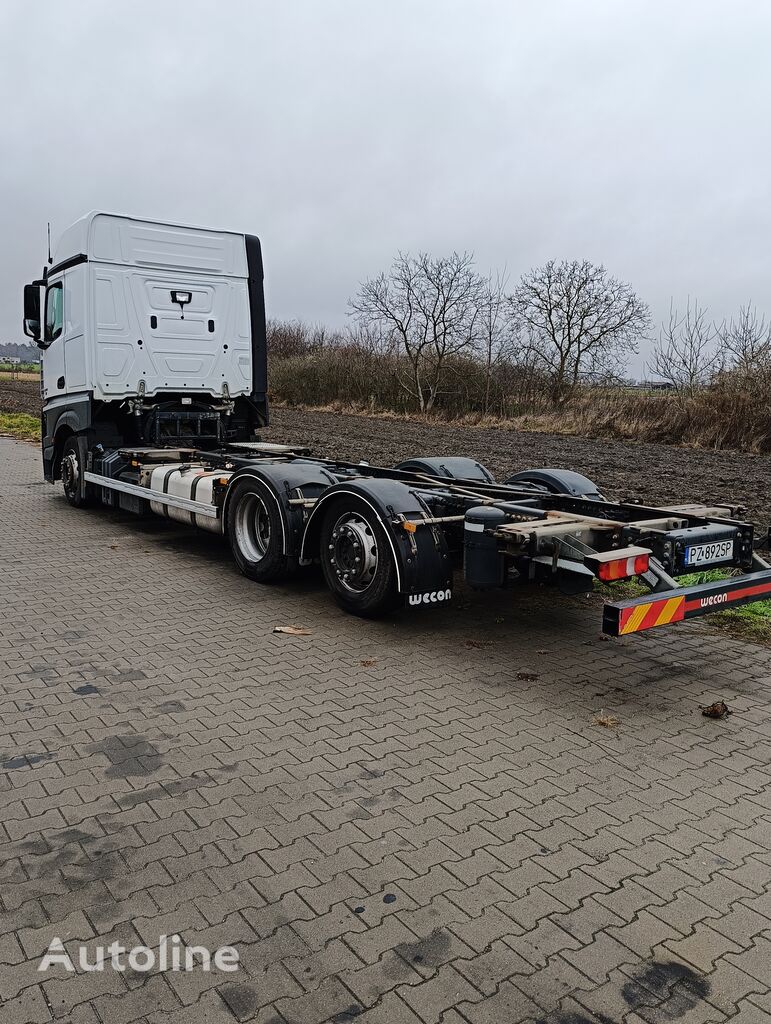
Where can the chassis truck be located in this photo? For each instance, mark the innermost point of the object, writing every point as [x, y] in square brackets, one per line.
[154, 388]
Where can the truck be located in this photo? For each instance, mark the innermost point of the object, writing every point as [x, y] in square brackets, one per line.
[155, 390]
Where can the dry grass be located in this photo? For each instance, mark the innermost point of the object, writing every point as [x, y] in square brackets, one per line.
[18, 375]
[625, 416]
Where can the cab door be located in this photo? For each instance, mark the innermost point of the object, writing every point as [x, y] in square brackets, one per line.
[53, 378]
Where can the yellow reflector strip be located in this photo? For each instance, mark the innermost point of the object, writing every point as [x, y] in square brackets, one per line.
[632, 624]
[669, 610]
[653, 613]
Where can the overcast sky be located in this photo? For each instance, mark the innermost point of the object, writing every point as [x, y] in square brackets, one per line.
[634, 133]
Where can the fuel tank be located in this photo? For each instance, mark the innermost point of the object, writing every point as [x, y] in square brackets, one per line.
[185, 480]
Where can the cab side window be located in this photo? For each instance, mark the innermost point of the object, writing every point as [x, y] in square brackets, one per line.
[54, 312]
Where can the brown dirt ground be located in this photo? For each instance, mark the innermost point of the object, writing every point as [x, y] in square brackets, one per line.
[20, 396]
[623, 470]
[643, 472]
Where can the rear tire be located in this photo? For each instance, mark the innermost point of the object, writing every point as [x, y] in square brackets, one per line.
[71, 469]
[255, 529]
[357, 560]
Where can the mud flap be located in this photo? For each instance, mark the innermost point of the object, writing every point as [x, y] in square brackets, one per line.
[423, 566]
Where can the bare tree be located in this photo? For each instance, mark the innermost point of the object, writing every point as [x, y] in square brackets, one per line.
[576, 317]
[497, 334]
[746, 340]
[431, 307]
[685, 354]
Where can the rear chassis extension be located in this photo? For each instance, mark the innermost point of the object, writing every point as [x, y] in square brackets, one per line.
[548, 526]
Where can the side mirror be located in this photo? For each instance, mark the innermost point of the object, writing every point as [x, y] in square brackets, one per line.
[32, 311]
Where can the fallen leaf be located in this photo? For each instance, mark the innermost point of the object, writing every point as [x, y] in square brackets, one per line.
[717, 710]
[541, 652]
[527, 677]
[292, 630]
[368, 662]
[607, 721]
[475, 644]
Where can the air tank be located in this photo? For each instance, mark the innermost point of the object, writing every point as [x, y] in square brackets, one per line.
[483, 566]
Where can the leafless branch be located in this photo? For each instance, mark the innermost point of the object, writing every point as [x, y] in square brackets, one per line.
[576, 318]
[431, 306]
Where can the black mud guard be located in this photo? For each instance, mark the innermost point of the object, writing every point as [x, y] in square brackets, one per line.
[422, 558]
[451, 468]
[559, 481]
[65, 424]
[73, 415]
[286, 480]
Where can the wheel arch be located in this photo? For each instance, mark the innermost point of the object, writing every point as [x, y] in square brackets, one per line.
[312, 533]
[251, 475]
[448, 468]
[60, 419]
[68, 425]
[281, 479]
[559, 481]
[421, 559]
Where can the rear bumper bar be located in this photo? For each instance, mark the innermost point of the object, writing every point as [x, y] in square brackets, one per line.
[684, 603]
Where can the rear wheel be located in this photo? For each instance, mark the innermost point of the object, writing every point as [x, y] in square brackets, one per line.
[71, 469]
[357, 560]
[255, 530]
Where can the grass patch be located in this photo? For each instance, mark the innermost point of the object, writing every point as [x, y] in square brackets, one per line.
[750, 622]
[21, 425]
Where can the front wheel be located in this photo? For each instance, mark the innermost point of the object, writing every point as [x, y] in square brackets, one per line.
[357, 561]
[255, 529]
[71, 469]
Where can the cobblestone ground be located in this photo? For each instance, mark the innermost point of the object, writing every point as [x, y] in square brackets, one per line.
[406, 822]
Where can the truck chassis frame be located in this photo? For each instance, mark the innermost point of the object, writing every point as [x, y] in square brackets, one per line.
[389, 536]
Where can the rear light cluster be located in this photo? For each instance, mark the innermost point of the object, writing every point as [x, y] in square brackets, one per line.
[620, 564]
[623, 568]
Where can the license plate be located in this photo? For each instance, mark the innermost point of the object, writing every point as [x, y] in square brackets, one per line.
[703, 554]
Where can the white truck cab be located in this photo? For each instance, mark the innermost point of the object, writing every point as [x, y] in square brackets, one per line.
[150, 331]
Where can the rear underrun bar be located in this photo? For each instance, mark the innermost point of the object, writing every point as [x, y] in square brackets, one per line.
[641, 613]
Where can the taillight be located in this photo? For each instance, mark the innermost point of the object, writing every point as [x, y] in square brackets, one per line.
[620, 564]
[623, 568]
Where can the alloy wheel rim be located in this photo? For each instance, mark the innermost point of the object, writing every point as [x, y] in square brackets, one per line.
[353, 553]
[252, 524]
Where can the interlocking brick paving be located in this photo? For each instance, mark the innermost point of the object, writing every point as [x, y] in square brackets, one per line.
[389, 823]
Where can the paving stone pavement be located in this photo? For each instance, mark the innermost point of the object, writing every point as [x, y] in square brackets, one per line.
[412, 821]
